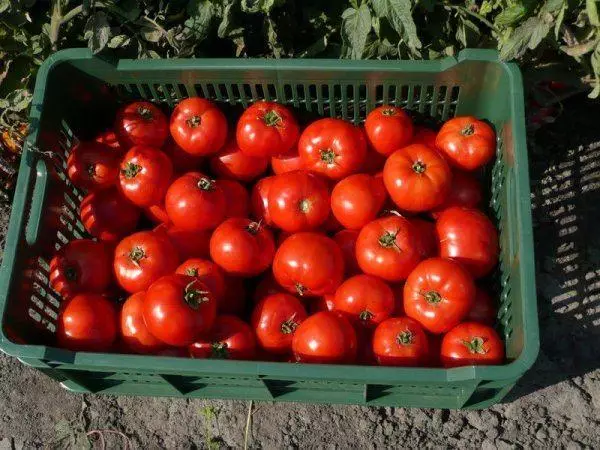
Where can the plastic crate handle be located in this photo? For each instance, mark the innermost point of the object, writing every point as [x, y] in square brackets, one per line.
[40, 189]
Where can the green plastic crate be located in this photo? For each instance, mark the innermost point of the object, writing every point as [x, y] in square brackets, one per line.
[75, 91]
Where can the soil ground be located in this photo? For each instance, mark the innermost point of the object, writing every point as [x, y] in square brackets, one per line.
[557, 404]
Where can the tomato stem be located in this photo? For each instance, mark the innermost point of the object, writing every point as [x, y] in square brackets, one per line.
[432, 297]
[145, 113]
[131, 170]
[192, 271]
[206, 184]
[289, 326]
[388, 240]
[219, 350]
[300, 289]
[388, 112]
[419, 166]
[253, 228]
[304, 205]
[194, 297]
[475, 345]
[405, 338]
[70, 273]
[272, 119]
[468, 130]
[194, 121]
[365, 315]
[328, 156]
[91, 170]
[136, 255]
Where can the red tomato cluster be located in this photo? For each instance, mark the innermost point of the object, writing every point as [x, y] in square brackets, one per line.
[327, 244]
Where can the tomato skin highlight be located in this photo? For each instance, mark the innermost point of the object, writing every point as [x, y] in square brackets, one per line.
[93, 166]
[388, 129]
[107, 215]
[134, 333]
[229, 338]
[141, 123]
[471, 343]
[357, 200]
[400, 341]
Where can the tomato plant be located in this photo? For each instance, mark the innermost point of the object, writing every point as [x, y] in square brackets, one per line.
[266, 129]
[365, 300]
[389, 129]
[195, 202]
[298, 201]
[400, 341]
[178, 309]
[309, 264]
[198, 126]
[229, 338]
[465, 190]
[468, 236]
[346, 239]
[466, 142]
[484, 308]
[207, 272]
[387, 248]
[332, 147]
[232, 163]
[141, 123]
[438, 294]
[259, 200]
[142, 258]
[134, 333]
[357, 199]
[417, 178]
[92, 166]
[237, 199]
[471, 343]
[107, 215]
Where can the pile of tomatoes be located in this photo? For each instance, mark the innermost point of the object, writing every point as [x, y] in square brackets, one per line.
[329, 243]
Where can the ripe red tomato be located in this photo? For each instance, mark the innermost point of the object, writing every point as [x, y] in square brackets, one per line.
[438, 294]
[259, 200]
[417, 178]
[298, 201]
[267, 129]
[275, 319]
[145, 175]
[92, 166]
[388, 128]
[207, 272]
[88, 322]
[107, 215]
[109, 139]
[229, 338]
[424, 136]
[265, 287]
[472, 343]
[142, 258]
[484, 308]
[400, 341]
[346, 239]
[468, 143]
[178, 309]
[356, 200]
[195, 202]
[464, 191]
[325, 338]
[387, 248]
[309, 264]
[374, 162]
[141, 123]
[233, 301]
[242, 247]
[134, 333]
[427, 243]
[189, 244]
[398, 290]
[468, 236]
[332, 147]
[182, 160]
[323, 303]
[230, 162]
[237, 199]
[198, 126]
[81, 265]
[286, 162]
[157, 214]
[365, 300]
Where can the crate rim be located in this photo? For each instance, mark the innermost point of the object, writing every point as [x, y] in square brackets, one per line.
[375, 374]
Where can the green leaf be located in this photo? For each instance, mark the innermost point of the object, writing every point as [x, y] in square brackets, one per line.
[274, 42]
[226, 22]
[559, 20]
[265, 6]
[356, 24]
[129, 9]
[202, 13]
[151, 34]
[315, 48]
[595, 62]
[4, 5]
[119, 41]
[18, 100]
[511, 15]
[97, 31]
[580, 49]
[398, 13]
[528, 35]
[592, 11]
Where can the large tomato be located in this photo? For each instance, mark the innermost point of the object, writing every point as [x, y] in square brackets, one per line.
[387, 248]
[142, 258]
[424, 136]
[178, 309]
[229, 338]
[182, 160]
[426, 237]
[467, 143]
[398, 290]
[417, 178]
[438, 294]
[468, 236]
[374, 162]
[309, 264]
[242, 247]
[471, 343]
[237, 199]
[275, 319]
[356, 200]
[388, 128]
[198, 126]
[265, 287]
[189, 244]
[332, 147]
[325, 338]
[298, 201]
[93, 166]
[195, 202]
[107, 215]
[134, 333]
[266, 129]
[157, 214]
[81, 265]
[207, 272]
[145, 175]
[346, 239]
[141, 123]
[88, 322]
[400, 341]
[230, 162]
[484, 308]
[259, 200]
[464, 191]
[287, 162]
[365, 300]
